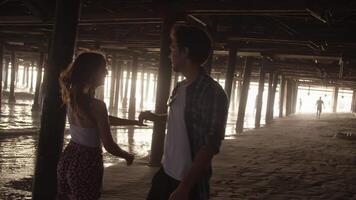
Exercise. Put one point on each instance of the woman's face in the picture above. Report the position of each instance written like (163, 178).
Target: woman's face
(99, 77)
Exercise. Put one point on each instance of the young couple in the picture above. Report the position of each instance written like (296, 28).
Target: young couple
(196, 123)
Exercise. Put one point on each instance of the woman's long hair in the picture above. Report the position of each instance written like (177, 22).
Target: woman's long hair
(76, 77)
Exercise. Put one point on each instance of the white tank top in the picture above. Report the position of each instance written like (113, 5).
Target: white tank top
(84, 136)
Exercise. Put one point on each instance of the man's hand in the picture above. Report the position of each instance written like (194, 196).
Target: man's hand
(180, 194)
(146, 115)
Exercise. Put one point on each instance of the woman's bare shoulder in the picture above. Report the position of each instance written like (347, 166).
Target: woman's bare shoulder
(98, 106)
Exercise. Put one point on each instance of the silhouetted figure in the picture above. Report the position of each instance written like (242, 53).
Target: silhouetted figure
(300, 104)
(319, 107)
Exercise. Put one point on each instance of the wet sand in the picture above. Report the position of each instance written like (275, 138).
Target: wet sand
(294, 158)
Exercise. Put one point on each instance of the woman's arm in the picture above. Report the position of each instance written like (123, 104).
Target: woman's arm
(115, 121)
(148, 115)
(101, 117)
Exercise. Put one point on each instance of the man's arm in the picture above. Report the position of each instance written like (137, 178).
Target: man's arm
(196, 172)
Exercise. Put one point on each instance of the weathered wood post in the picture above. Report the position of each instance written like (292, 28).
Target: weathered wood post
(163, 86)
(117, 85)
(335, 97)
(51, 134)
(230, 71)
(1, 69)
(281, 96)
(13, 77)
(36, 102)
(269, 98)
(244, 95)
(259, 100)
(132, 103)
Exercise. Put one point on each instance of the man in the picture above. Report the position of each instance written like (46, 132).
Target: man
(319, 105)
(196, 121)
(300, 104)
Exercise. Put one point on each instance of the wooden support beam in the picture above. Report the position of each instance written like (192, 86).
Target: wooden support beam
(32, 71)
(132, 103)
(127, 78)
(295, 97)
(142, 89)
(274, 89)
(259, 100)
(269, 98)
(155, 76)
(117, 84)
(36, 103)
(148, 83)
(112, 83)
(209, 63)
(335, 97)
(1, 69)
(212, 29)
(6, 71)
(163, 86)
(353, 103)
(24, 73)
(230, 71)
(289, 97)
(281, 96)
(13, 77)
(244, 95)
(50, 142)
(233, 95)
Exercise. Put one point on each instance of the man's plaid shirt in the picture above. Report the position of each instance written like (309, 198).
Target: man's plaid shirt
(206, 112)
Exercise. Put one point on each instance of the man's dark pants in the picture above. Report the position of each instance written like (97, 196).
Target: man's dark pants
(163, 185)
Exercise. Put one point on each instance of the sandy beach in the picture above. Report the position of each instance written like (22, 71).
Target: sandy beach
(297, 157)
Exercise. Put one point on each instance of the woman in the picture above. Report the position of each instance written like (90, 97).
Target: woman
(80, 169)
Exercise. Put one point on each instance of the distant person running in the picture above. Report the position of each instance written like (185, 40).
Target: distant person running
(80, 168)
(300, 104)
(319, 106)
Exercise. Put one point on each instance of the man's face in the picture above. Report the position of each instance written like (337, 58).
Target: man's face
(177, 56)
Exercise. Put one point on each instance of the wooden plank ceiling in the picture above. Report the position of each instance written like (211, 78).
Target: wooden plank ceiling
(305, 39)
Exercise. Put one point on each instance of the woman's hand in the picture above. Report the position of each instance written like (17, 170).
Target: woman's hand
(129, 158)
(139, 123)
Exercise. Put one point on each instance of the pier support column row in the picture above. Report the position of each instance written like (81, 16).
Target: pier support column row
(244, 95)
